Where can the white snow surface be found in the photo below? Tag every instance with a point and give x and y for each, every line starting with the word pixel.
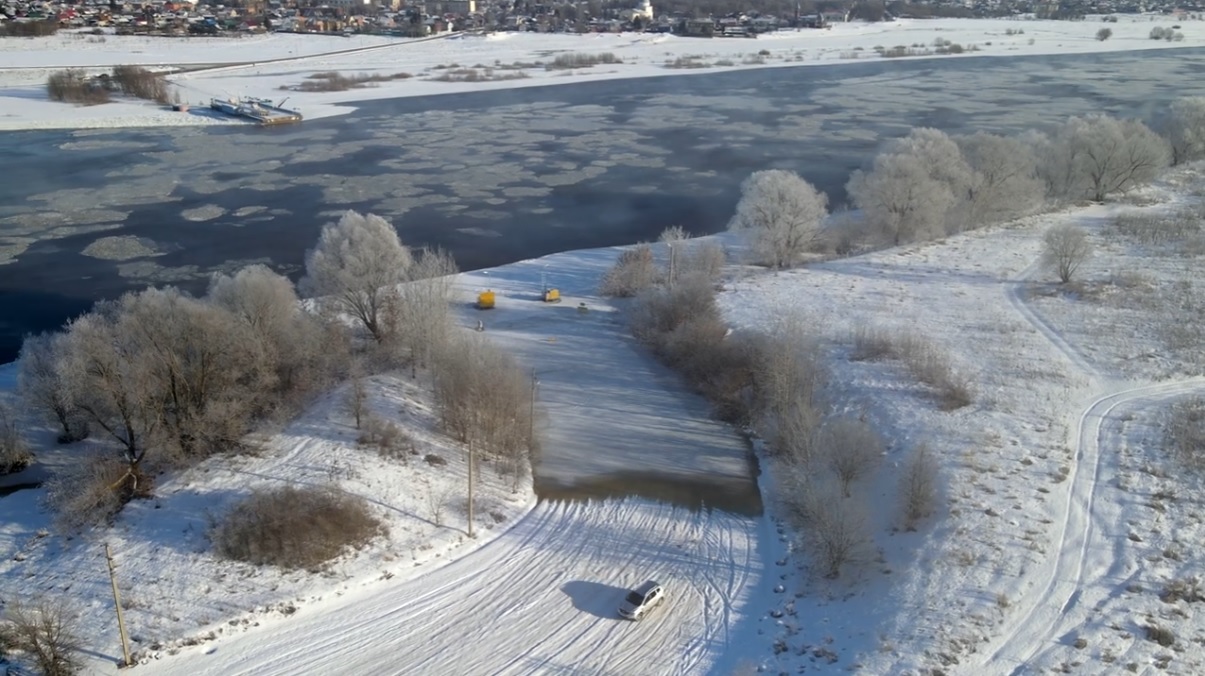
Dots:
pixel 261 65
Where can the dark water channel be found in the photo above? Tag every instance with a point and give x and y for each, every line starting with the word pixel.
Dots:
pixel 506 175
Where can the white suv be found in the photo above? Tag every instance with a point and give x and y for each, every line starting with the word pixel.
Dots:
pixel 641 600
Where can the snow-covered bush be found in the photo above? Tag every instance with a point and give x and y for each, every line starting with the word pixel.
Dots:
pixel 835 529
pixel 14 454
pixel 1185 129
pixel 90 491
pixel 294 527
pixel 633 272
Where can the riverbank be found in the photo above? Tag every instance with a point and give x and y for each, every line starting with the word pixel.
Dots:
pixel 463 63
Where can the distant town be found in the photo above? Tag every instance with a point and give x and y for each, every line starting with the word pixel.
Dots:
pixel 418 18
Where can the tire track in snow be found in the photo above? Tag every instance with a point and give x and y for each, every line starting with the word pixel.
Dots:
pixel 1026 634
pixel 541 597
pixel 1016 289
pixel 1059 596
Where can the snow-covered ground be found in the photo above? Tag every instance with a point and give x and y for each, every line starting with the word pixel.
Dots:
pixel 511 58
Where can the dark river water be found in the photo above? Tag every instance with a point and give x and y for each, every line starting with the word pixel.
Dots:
pixel 500 176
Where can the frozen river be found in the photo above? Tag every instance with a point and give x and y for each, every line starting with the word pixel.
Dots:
pixel 499 176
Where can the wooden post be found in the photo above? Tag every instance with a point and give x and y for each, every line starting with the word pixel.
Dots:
pixel 471 487
pixel 121 623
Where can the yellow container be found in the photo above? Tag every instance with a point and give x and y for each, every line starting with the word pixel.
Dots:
pixel 485 300
pixel 552 295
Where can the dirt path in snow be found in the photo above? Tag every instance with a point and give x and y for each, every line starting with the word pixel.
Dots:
pixel 1051 609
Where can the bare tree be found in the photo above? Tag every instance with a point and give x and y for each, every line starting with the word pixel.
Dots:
pixel 1067 248
pixel 355 264
pixel 357 395
pixel 46 630
pixel 417 316
pixel 780 216
pixel 42 387
pixel 918 487
pixel 836 530
pixel 110 382
pixel 852 449
pixel 1101 155
pixel 482 397
pixel 202 369
pixel 1185 129
pixel 1004 182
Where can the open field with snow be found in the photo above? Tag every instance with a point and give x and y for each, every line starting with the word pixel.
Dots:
pixel 497 61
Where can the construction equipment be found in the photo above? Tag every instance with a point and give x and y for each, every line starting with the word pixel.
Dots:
pixel 548 295
pixel 485 300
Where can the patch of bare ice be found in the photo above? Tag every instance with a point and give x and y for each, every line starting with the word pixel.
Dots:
pixel 120 248
pixel 207 212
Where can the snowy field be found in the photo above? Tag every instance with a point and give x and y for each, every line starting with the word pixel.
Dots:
pixel 511 59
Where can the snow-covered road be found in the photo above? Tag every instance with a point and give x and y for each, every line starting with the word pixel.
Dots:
pixel 539 599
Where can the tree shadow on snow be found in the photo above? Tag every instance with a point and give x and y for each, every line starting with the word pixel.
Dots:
pixel 596 598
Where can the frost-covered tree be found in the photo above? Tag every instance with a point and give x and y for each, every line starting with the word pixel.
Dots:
pixel 418 313
pixel 912 189
pixel 1067 248
pixel 1097 155
pixel 1185 129
pixel 42 385
pixel 1004 181
pixel 355 264
pixel 779 215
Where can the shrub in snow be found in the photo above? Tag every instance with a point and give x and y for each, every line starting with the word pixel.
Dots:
pixel 918 486
pixel 852 449
pixel 294 527
pixel 45 631
pixel 634 271
pixel 835 529
pixel 89 492
pixel 1104 34
pixel 483 398
pixel 14 454
pixel 42 384
pixel 1185 433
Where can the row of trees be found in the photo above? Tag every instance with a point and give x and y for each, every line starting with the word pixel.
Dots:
pixel 773 381
pixel 165 379
pixel 930 184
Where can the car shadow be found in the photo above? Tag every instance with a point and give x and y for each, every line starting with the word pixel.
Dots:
pixel 600 600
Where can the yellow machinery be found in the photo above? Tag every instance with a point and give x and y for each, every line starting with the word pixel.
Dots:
pixel 485 300
pixel 552 295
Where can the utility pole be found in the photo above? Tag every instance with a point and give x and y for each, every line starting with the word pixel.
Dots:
pixel 531 430
pixel 471 463
pixel 673 261
pixel 121 623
